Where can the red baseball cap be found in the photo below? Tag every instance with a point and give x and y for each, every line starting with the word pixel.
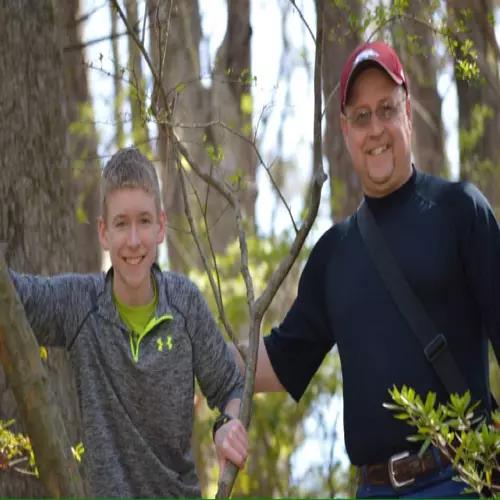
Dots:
pixel 365 55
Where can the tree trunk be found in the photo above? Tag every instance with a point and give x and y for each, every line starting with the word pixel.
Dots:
pixel 479 159
pixel 140 135
pixel 117 82
pixel 82 140
pixel 345 188
pixel 37 212
pixel 421 67
pixel 228 99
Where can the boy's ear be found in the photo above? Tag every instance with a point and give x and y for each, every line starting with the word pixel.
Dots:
pixel 162 227
pixel 103 233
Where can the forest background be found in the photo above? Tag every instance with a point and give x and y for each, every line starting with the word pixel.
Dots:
pixel 240 76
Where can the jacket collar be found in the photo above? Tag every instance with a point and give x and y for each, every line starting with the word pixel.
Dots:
pixel 106 305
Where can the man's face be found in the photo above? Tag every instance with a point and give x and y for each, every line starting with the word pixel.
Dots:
pixel 131 232
pixel 380 145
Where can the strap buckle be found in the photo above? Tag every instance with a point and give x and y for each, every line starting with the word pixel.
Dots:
pixel 392 475
pixel 436 346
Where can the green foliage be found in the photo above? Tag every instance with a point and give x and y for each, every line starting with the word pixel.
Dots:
pixel 16 452
pixel 214 152
pixel 458 430
pixel 469 139
pixel 15 449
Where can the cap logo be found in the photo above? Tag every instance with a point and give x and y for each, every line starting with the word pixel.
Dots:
pixel 366 54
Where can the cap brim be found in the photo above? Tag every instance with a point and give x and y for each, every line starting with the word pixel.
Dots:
pixel 368 63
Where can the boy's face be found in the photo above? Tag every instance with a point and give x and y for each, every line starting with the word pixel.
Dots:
pixel 131 232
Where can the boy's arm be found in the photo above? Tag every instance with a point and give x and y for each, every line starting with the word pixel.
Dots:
pixel 231 439
pixel 219 378
pixel 214 365
pixel 47 305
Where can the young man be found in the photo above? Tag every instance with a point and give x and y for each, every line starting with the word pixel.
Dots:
pixel 446 240
pixel 137 337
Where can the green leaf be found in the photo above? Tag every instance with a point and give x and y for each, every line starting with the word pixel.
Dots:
pixel 246 104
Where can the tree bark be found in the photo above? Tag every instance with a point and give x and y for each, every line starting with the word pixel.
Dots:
pixel 83 140
pixel 340 40
pixel 117 82
pixel 421 67
pixel 479 161
pixel 37 211
pixel 227 99
pixel 140 135
pixel 21 361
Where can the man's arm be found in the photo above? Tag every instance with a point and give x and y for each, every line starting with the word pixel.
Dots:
pixel 479 246
pixel 291 354
pixel 266 379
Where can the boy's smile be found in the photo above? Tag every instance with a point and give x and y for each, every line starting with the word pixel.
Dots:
pixel 130 230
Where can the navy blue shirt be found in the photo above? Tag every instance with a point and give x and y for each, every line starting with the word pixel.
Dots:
pixel 446 240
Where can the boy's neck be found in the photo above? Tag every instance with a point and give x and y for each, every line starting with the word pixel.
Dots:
pixel 141 296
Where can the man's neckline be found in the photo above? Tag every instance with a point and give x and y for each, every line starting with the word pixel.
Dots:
pixel 397 197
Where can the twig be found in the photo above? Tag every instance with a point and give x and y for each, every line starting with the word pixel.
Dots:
pixel 219 123
pixel 196 237
pixel 318 177
pixel 220 305
pixel 303 19
pixel 281 197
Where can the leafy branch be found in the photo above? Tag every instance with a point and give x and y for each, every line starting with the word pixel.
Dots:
pixel 470 442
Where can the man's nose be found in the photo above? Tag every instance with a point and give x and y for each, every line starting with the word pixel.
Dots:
pixel 376 125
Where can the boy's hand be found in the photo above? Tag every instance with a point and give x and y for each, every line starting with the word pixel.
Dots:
pixel 231 443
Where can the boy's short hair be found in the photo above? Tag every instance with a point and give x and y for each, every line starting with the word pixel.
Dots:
pixel 129 168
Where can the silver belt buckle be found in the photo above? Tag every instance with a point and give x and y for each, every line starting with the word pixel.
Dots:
pixel 392 476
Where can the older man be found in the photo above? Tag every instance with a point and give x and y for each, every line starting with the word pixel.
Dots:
pixel 446 241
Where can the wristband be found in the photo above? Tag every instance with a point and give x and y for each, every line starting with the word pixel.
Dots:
pixel 223 418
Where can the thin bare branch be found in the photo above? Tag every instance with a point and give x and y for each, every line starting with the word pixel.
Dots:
pixel 332 93
pixel 167 30
pixel 201 250
pixel 281 197
pixel 143 37
pixel 88 15
pixel 303 19
pixel 79 46
pixel 203 209
pixel 318 178
pixel 218 123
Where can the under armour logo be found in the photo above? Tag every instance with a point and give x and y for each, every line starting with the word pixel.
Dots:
pixel 161 343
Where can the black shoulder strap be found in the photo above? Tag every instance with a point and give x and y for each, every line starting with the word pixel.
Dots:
pixel 434 343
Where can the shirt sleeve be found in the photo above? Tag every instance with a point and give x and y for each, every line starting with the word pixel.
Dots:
pixel 48 307
pixel 479 237
pixel 297 347
pixel 214 365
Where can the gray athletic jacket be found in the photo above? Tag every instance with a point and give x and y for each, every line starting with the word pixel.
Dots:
pixel 136 401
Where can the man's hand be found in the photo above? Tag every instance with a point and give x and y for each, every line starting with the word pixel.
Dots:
pixel 231 443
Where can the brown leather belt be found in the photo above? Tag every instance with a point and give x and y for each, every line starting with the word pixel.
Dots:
pixel 401 470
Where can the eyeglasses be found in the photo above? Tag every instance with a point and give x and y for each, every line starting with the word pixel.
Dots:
pixel 361 118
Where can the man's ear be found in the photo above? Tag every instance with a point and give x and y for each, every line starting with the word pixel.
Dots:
pixel 103 234
pixel 409 110
pixel 162 227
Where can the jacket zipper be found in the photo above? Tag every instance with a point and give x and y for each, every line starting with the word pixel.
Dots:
pixel 134 345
